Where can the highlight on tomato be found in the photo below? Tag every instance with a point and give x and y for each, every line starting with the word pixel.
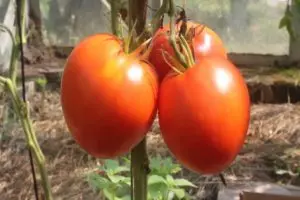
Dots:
pixel 204 114
pixel 108 97
pixel 203 42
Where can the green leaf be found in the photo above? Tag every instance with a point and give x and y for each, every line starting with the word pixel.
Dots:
pixel 157 191
pixel 121 169
pixel 284 21
pixel 126 197
pixel 155 179
pixel 164 166
pixel 184 183
pixel 155 163
pixel 127 181
pixel 291 32
pixel 116 178
pixel 111 165
pixel 110 195
pixel 180 193
pixel 170 180
pixel 97 182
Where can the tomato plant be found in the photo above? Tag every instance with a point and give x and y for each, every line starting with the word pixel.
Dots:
pixel 203 41
pixel 204 114
pixel 108 97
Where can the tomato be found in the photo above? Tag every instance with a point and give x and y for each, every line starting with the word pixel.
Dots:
pixel 204 114
pixel 109 98
pixel 205 43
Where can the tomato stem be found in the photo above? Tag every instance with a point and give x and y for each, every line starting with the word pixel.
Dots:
pixel 20 107
pixel 187 50
pixel 115 25
pixel 14 54
pixel 22 110
pixel 155 22
pixel 139 157
pixel 172 38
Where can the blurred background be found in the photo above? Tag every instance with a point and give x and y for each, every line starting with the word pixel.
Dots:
pixel 245 26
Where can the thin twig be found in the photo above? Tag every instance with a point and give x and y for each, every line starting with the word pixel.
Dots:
pixel 13 57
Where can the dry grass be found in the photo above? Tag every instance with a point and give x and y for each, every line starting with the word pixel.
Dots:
pixel 273 141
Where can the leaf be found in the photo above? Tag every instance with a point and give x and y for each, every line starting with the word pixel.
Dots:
pixel 163 167
pixel 111 165
pixel 284 21
pixel 116 178
pixel 127 181
pixel 180 193
pixel 155 164
pixel 176 168
pixel 170 167
pixel 155 179
pixel 121 169
pixel 170 180
pixel 184 183
pixel 157 191
pixel 126 161
pixel 126 197
pixel 97 182
pixel 110 195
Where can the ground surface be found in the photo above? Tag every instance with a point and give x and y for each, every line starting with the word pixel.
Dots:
pixel 273 143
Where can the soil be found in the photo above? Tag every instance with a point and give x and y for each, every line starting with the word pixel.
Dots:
pixel 271 152
pixel 273 143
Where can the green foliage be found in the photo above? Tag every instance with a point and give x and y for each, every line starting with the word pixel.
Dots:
pixel 286 22
pixel 113 179
pixel 41 82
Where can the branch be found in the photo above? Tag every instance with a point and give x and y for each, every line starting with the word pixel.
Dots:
pixel 139 159
pixel 155 22
pixel 12 66
pixel 107 5
pixel 21 108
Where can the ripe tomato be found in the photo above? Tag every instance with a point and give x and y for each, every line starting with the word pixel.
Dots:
pixel 205 42
pixel 204 114
pixel 109 98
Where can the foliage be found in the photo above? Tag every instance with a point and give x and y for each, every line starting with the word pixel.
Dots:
pixel 113 179
pixel 41 83
pixel 286 22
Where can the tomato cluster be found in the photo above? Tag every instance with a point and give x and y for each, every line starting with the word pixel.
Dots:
pixel 110 98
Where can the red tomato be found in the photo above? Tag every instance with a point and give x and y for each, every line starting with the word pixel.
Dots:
pixel 204 114
pixel 205 43
pixel 109 98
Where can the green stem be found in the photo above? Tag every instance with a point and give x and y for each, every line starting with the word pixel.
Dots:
pixel 130 15
pixel 188 51
pixel 139 171
pixel 13 57
pixel 22 110
pixel 156 18
pixel 114 18
pixel 139 158
pixel 172 38
pixel 23 22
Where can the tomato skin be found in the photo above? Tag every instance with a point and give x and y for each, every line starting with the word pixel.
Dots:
pixel 109 98
pixel 205 43
pixel 204 114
